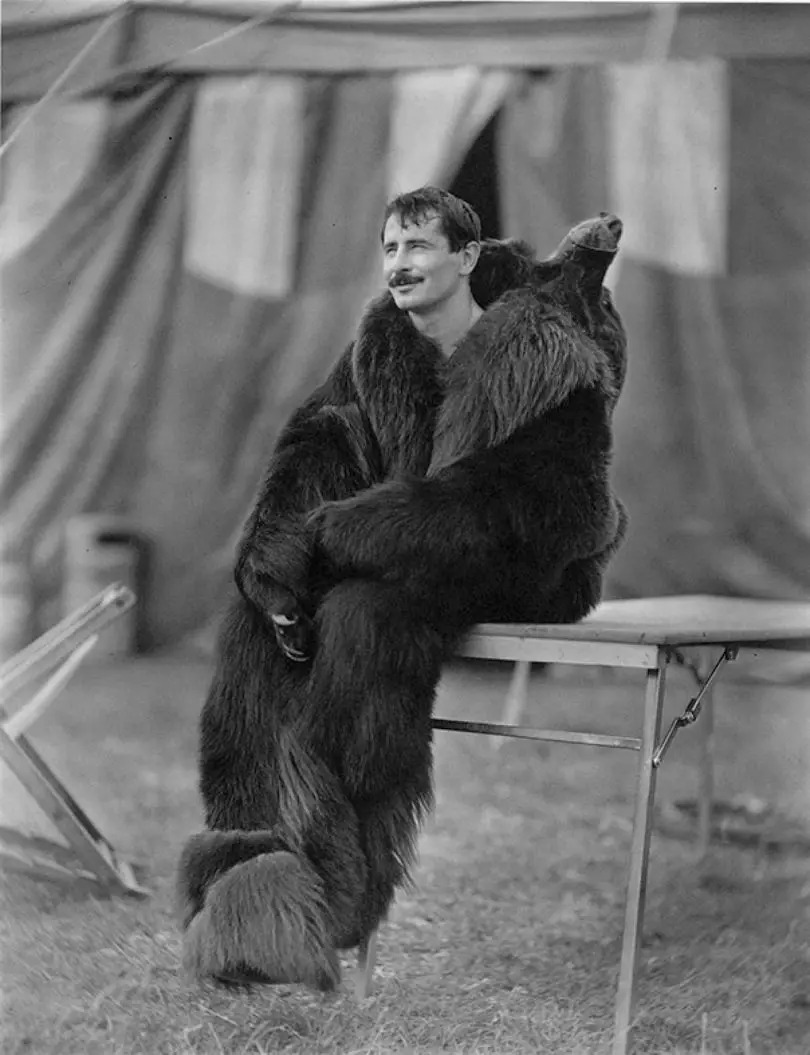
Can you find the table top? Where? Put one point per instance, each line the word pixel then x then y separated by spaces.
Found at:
pixel 694 619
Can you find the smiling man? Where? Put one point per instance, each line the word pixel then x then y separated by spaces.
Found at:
pixel 431 243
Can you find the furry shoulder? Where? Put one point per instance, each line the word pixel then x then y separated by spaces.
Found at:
pixel 523 358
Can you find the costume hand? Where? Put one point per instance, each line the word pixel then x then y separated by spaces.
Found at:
pixel 294 631
pixel 274 575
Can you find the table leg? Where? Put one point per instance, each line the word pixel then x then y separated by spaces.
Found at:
pixel 515 702
pixel 639 856
pixel 706 792
pixel 366 958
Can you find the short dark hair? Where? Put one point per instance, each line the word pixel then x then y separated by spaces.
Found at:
pixel 459 222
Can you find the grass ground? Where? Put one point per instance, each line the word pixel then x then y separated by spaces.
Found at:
pixel 508 944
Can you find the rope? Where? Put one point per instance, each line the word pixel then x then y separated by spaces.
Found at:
pixel 279 11
pixel 77 59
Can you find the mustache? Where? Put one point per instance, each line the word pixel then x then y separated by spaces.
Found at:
pixel 402 279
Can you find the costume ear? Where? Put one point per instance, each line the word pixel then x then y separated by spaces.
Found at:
pixel 469 257
pixel 501 266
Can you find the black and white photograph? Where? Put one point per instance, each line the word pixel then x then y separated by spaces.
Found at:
pixel 404 527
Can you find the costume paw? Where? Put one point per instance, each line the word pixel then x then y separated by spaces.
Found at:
pixel 294 635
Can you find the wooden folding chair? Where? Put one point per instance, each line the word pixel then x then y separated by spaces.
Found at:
pixel 63 647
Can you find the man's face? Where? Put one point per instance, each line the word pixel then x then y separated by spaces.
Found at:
pixel 419 268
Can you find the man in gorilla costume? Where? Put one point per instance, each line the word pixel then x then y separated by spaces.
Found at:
pixel 453 468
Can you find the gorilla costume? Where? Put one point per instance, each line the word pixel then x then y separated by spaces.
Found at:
pixel 409 498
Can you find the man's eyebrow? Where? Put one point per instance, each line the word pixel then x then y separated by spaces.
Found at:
pixel 408 241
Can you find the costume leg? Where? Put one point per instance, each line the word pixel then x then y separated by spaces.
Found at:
pixel 389 828
pixel 268 894
pixel 376 670
pixel 375 673
pixel 334 848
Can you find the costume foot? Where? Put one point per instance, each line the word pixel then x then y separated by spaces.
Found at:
pixel 243 976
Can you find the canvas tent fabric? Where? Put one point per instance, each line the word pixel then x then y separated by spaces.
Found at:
pixel 185 256
pixel 155 342
pixel 204 37
pixel 713 428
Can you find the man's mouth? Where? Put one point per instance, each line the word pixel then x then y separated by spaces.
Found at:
pixel 403 284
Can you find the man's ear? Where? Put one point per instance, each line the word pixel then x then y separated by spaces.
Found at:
pixel 469 257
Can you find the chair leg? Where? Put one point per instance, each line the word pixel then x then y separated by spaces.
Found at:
pixel 366 958
pixel 639 857
pixel 90 847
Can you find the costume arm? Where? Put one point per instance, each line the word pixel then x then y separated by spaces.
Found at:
pixel 469 518
pixel 325 452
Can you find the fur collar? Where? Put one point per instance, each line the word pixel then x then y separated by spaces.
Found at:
pixel 398 375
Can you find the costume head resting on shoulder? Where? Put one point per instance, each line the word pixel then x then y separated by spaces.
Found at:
pixel 549 330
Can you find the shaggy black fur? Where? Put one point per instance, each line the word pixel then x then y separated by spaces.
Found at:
pixel 409 498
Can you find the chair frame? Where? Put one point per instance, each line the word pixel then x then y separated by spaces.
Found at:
pixel 89 855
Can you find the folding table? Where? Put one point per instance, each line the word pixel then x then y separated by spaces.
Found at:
pixel 645 634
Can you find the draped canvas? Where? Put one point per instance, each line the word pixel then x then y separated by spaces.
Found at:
pixel 712 428
pixel 84 308
pixel 244 183
pixel 133 385
pixel 61 141
pixel 379 37
pixel 551 155
pixel 668 161
pixel 436 116
pixel 702 455
pixel 240 364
